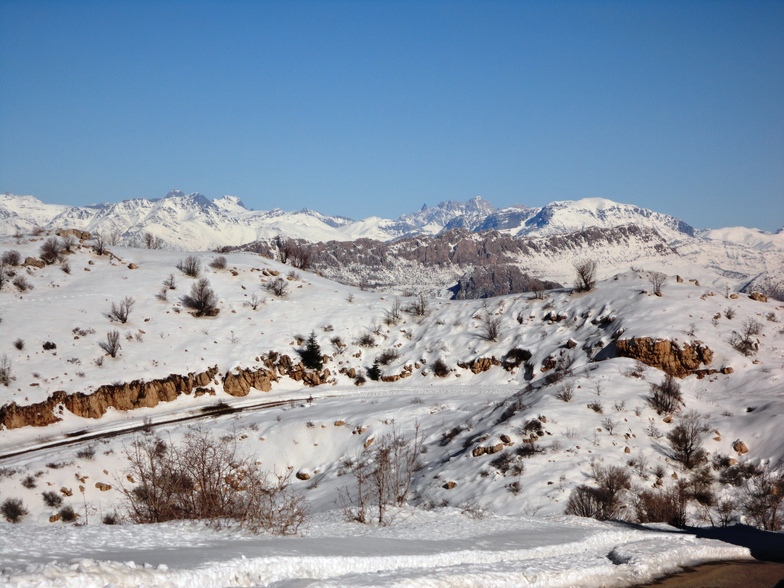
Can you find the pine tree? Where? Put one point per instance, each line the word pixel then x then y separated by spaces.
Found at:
pixel 374 373
pixel 311 355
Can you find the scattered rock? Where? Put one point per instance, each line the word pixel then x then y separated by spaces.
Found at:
pixel 66 491
pixel 449 485
pixel 740 447
pixel 303 475
pixel 758 296
pixel 103 487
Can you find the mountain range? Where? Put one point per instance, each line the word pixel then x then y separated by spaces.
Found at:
pixel 443 247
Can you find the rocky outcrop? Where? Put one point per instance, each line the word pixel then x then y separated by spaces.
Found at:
pixel 676 359
pixel 479 365
pixel 135 394
pixel 239 382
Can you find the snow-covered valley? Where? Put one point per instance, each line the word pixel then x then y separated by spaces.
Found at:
pixel 518 399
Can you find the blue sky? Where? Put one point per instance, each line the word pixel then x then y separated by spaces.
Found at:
pixel 372 107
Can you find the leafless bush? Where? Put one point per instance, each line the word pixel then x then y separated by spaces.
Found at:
pixel 67 514
pixel 277 286
pixel 5 274
pixel 120 312
pixel 52 499
pixel 638 371
pixel 170 283
pixel 51 250
pixel 99 244
pixel 12 258
pixel 337 344
pixel 383 475
pixel 686 440
pixel 661 506
pixel 609 425
pixel 666 397
pixel 596 406
pixel 13 510
pixel 603 502
pixel 69 244
pixel 65 267
pixel 585 279
pixel 207 479
pixel 113 238
pixel 5 370
pixel 22 284
pixel 219 263
pixel 657 280
pixel 745 341
pixel 254 302
pixel 151 241
pixel 490 329
pixel 112 344
pixel 419 307
pixel 565 392
pixel 394 314
pixel 190 266
pixel 387 356
pixel 729 312
pixel 366 340
pixel 202 300
pixel 762 498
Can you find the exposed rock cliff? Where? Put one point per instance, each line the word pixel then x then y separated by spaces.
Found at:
pixel 676 359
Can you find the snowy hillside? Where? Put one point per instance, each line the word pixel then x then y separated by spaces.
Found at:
pixel 519 401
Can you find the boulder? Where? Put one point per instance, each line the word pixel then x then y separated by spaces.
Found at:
pixel 740 447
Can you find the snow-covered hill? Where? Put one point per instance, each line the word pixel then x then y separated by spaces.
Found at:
pixel 519 400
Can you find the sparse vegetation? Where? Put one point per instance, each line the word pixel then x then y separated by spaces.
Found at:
pixel 52 499
pixel 657 280
pixel 440 369
pixel 387 356
pixel 585 278
pixel 5 370
pixel 120 312
pixel 490 328
pixel 666 397
pixel 51 250
pixel 745 341
pixel 686 440
pixel 277 286
pixel 219 263
pixel 190 266
pixel 112 344
pixel 202 300
pixel 13 510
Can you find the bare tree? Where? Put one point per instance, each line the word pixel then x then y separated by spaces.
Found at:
pixel 151 241
pixel 585 275
pixel 202 300
pixel 112 344
pixel 657 280
pixel 666 397
pixel 762 498
pixel 419 307
pixel 686 440
pixel 219 263
pixel 170 283
pixel 190 266
pixel 745 341
pixel 120 312
pixel 393 315
pixel 99 244
pixel 12 258
pixel 5 370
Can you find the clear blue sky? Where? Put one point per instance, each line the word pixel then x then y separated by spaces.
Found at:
pixel 373 107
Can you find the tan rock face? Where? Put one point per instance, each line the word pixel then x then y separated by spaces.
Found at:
pixel 103 487
pixel 32 261
pixel 758 296
pixel 239 382
pixel 135 394
pixel 480 364
pixel 668 356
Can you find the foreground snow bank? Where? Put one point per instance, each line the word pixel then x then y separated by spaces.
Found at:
pixel 443 548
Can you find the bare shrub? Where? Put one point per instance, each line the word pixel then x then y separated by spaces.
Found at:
pixel 69 244
pixel 111 518
pixel 604 501
pixel 51 250
pixel 12 258
pixel 67 514
pixel 87 453
pixel 202 300
pixel 657 280
pixel 112 344
pixel 51 499
pixel 337 344
pixel 666 397
pixel 383 474
pixel 745 341
pixel 65 267
pixel 366 340
pixel 686 440
pixel 609 425
pixel 490 329
pixel 99 244
pixel 5 274
pixel 170 283
pixel 206 478
pixel 596 406
pixel 5 370
pixel 565 392
pixel 190 266
pixel 394 314
pixel 13 510
pixel 585 279
pixel 762 499
pixel 278 287
pixel 19 344
pixel 661 506
pixel 28 481
pixel 22 284
pixel 729 312
pixel 254 302
pixel 120 312
pixel 387 356
pixel 151 241
pixel 440 369
pixel 219 263
pixel 419 307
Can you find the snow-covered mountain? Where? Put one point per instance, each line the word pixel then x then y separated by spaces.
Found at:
pixel 193 222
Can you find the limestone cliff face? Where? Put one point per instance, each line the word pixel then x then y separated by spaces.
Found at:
pixel 678 360
pixel 239 382
pixel 135 394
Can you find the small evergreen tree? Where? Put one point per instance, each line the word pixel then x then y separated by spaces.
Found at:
pixel 374 372
pixel 311 354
